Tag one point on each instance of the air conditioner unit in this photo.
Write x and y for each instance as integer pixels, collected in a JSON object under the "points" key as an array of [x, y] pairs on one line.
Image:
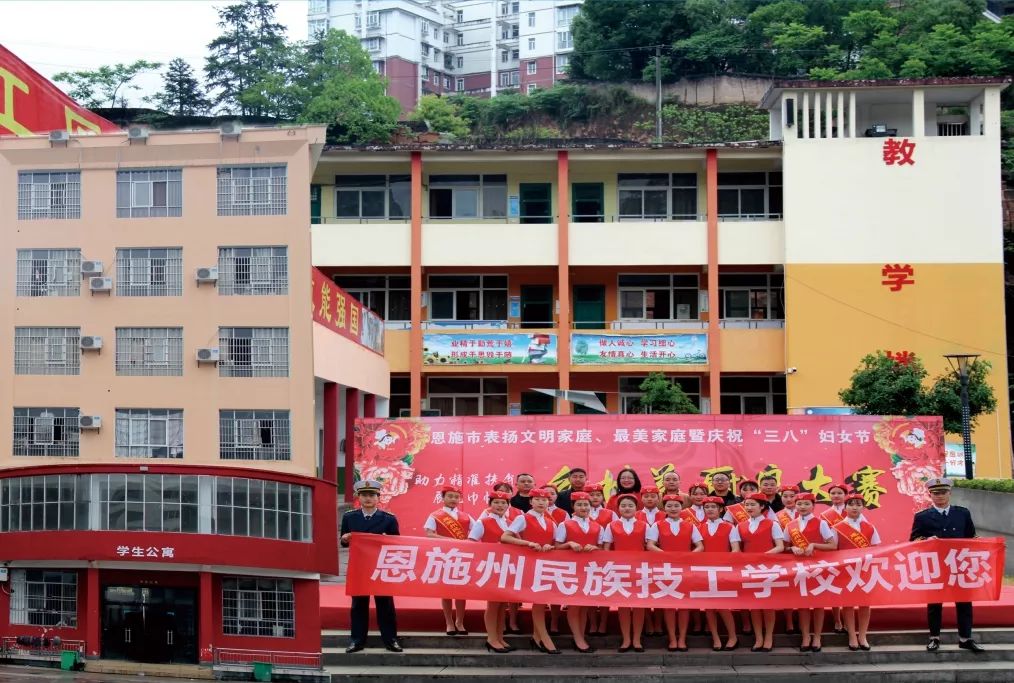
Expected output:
{"points": [[59, 136], [89, 422], [91, 343], [91, 267], [209, 274], [208, 355], [137, 133], [231, 129], [100, 284], [429, 412]]}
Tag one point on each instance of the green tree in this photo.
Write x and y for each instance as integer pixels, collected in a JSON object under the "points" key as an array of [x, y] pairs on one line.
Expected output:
{"points": [[181, 92], [440, 116], [662, 395], [106, 86]]}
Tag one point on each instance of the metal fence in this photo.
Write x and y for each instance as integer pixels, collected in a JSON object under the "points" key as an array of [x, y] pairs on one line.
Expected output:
{"points": [[279, 660]]}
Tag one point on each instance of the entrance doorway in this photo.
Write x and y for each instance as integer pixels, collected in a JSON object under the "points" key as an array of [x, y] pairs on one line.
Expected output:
{"points": [[149, 624], [589, 307], [536, 306], [536, 202]]}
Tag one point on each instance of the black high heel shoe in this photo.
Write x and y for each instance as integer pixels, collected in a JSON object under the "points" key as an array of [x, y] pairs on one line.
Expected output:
{"points": [[498, 650], [587, 650], [539, 646]]}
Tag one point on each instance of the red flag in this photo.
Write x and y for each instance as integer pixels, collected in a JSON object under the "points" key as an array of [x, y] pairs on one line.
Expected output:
{"points": [[30, 104]]}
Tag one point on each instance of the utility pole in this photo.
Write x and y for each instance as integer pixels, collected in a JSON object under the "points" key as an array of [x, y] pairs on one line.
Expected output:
{"points": [[658, 93]]}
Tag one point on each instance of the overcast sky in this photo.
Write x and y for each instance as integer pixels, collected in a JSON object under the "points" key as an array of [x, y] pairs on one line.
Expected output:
{"points": [[68, 35]]}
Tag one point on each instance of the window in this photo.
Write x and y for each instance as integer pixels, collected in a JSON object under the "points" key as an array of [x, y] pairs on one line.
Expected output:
{"points": [[389, 296], [373, 196], [565, 15], [504, 8], [658, 297], [424, 73], [468, 196], [657, 196], [504, 56], [468, 297], [253, 270], [267, 509], [532, 87], [509, 78], [531, 43], [562, 63], [149, 433], [751, 296], [47, 350], [49, 272], [564, 40], [44, 597], [46, 431], [317, 7], [447, 82], [515, 6], [251, 191], [753, 395], [358, 22], [750, 195], [257, 606], [436, 78], [630, 392], [54, 502], [531, 20], [459, 16], [378, 66], [460, 84], [515, 54], [149, 272], [532, 68], [149, 351], [372, 45], [315, 27], [253, 351], [458, 396], [373, 19], [254, 435], [49, 195], [151, 193], [400, 395], [460, 41]]}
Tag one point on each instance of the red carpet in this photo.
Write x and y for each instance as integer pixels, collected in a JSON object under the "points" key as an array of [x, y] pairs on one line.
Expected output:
{"points": [[423, 614]]}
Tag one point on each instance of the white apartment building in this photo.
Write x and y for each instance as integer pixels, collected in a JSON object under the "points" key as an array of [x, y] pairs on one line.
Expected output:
{"points": [[477, 47]]}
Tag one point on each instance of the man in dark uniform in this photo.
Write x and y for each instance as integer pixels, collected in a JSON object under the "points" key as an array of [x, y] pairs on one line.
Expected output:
{"points": [[578, 478], [369, 519], [943, 520]]}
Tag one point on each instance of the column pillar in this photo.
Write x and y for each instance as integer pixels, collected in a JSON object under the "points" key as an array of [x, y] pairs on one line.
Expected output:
{"points": [[92, 616], [369, 405], [852, 114], [206, 620], [714, 342], [329, 464], [415, 334], [918, 113], [351, 413], [563, 275]]}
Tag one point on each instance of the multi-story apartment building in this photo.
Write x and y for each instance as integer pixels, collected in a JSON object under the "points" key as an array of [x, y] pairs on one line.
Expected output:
{"points": [[756, 274], [476, 47], [171, 415]]}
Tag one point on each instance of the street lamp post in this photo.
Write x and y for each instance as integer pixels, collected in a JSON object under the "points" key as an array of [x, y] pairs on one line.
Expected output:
{"points": [[960, 363]]}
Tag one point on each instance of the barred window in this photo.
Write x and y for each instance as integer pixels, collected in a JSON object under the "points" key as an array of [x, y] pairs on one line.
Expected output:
{"points": [[47, 350], [258, 607], [149, 433], [253, 270], [265, 509], [54, 502], [46, 431], [253, 352], [254, 435], [49, 272], [49, 195], [149, 193], [42, 597], [149, 351], [251, 191], [149, 272]]}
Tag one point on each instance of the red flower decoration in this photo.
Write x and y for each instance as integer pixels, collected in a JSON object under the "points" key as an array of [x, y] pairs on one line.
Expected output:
{"points": [[910, 440]]}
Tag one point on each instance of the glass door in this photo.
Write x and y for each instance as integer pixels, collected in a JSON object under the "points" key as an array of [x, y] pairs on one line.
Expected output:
{"points": [[536, 306]]}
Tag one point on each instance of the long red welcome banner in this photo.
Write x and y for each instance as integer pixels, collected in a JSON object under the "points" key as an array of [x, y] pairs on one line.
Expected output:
{"points": [[964, 570]]}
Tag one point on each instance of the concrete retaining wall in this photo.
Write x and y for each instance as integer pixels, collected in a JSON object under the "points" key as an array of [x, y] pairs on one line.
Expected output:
{"points": [[993, 514], [702, 91]]}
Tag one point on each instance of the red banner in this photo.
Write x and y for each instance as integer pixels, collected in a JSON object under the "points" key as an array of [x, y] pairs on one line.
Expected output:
{"points": [[964, 570], [338, 311], [30, 104], [885, 459]]}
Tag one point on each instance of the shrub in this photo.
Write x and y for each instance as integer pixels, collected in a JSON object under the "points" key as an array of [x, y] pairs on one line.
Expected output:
{"points": [[998, 485]]}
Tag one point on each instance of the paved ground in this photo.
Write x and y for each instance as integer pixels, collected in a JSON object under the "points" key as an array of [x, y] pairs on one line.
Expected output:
{"points": [[29, 674]]}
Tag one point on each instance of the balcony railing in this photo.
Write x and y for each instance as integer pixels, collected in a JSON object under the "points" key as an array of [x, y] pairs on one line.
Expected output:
{"points": [[278, 660]]}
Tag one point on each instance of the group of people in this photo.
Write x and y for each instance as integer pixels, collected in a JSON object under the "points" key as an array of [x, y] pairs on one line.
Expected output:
{"points": [[708, 517]]}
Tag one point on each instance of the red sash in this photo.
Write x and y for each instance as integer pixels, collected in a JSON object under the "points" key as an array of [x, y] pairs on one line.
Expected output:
{"points": [[831, 516], [738, 512], [656, 515], [784, 518], [803, 538], [719, 542], [689, 515], [850, 537], [624, 541], [535, 533], [578, 535], [681, 541], [559, 516], [448, 527], [758, 541], [491, 530]]}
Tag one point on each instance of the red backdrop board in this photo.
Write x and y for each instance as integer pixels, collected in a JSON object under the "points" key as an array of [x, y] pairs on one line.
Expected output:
{"points": [[30, 104], [886, 459]]}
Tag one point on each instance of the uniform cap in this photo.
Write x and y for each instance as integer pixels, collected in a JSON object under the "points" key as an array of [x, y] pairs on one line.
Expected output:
{"points": [[649, 489], [498, 495], [783, 489], [578, 495], [698, 485], [627, 496], [939, 483], [449, 489], [593, 488], [843, 487], [717, 500], [806, 496], [759, 497], [672, 496], [366, 486], [855, 496], [539, 493]]}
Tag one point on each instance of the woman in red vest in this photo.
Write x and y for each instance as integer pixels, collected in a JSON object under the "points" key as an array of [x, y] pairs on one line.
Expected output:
{"points": [[535, 529], [449, 522], [855, 532], [628, 534], [807, 534], [735, 512], [675, 535], [719, 537], [832, 516], [559, 516], [784, 516], [489, 529], [581, 535], [761, 535], [651, 512], [511, 625], [598, 617], [693, 512]]}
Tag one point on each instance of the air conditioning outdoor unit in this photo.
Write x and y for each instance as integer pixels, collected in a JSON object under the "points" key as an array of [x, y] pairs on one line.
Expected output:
{"points": [[231, 129], [137, 133], [91, 343], [91, 267], [58, 136], [89, 422], [100, 284], [209, 274], [208, 355]]}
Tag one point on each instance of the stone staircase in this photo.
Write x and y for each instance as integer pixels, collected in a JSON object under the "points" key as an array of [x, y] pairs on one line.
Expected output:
{"points": [[896, 656]]}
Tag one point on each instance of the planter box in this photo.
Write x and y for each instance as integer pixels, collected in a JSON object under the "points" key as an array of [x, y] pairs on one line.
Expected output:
{"points": [[993, 514]]}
